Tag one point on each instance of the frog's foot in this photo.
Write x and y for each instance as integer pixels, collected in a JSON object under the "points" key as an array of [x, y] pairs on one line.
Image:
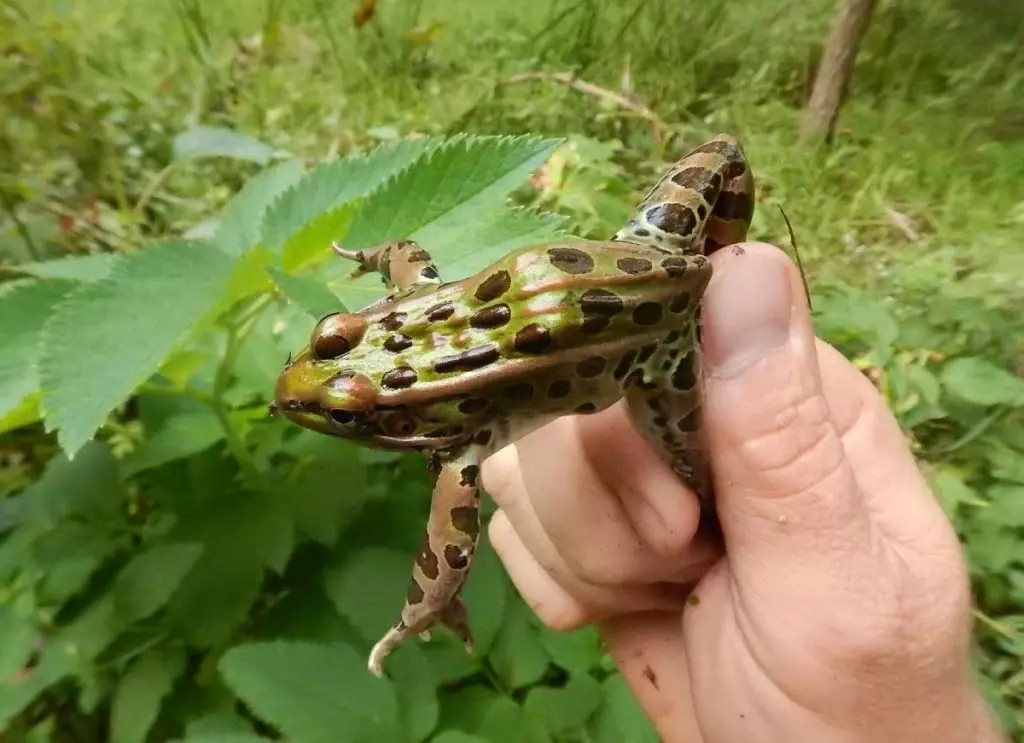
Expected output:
{"points": [[401, 263], [443, 563], [452, 615]]}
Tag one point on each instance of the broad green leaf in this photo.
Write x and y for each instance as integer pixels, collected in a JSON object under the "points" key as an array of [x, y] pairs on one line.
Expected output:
{"points": [[73, 268], [239, 227], [333, 184], [620, 717], [121, 329], [23, 313], [17, 694], [18, 638], [979, 381], [329, 491], [223, 738], [92, 631], [180, 436], [87, 486], [467, 707], [242, 534], [578, 651], [312, 244], [213, 141], [1007, 505], [457, 736], [486, 594], [313, 693], [477, 245], [567, 708], [368, 587], [505, 721], [517, 655], [463, 182], [952, 491], [220, 724], [311, 296], [416, 689], [140, 691], [149, 580]]}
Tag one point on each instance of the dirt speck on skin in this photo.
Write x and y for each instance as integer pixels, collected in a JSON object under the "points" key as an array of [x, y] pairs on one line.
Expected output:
{"points": [[650, 676]]}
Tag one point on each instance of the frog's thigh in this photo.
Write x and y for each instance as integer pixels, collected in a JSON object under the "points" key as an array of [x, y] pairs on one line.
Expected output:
{"points": [[443, 563]]}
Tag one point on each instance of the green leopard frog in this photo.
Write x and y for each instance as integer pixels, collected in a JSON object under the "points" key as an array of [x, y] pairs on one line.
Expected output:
{"points": [[459, 370]]}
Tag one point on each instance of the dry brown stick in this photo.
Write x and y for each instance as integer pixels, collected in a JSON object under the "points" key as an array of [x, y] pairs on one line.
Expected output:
{"points": [[567, 78]]}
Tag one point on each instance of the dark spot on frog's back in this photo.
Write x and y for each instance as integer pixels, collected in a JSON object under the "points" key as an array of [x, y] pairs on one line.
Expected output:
{"points": [[571, 260], [633, 266], [693, 177], [648, 313], [393, 322], [559, 389], [590, 367], [674, 265], [718, 147], [585, 408], [533, 339], [472, 405], [440, 312], [399, 378], [518, 391], [482, 437], [397, 343], [491, 317], [474, 358], [623, 367], [418, 256], [685, 377], [493, 286], [601, 302], [675, 219]]}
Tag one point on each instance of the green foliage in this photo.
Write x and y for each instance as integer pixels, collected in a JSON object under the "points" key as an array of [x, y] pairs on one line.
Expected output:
{"points": [[177, 565]]}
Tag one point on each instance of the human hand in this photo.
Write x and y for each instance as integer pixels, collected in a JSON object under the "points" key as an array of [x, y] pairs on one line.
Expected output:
{"points": [[840, 609]]}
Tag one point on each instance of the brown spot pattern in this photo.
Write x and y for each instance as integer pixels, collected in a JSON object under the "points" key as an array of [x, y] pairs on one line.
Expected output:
{"points": [[601, 302], [493, 286], [415, 593], [399, 378], [518, 391], [393, 322], [491, 317], [468, 475], [684, 377], [533, 338], [472, 405], [680, 302], [584, 408], [397, 343], [673, 218], [454, 557], [426, 560], [591, 367], [624, 364], [647, 313], [440, 312], [571, 260], [734, 206], [633, 266], [466, 519], [674, 265], [474, 358], [483, 437], [559, 389]]}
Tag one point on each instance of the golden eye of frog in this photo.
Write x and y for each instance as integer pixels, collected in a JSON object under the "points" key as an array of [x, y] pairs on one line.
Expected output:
{"points": [[459, 370]]}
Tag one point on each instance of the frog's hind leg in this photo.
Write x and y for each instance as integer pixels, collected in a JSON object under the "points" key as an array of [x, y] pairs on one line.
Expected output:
{"points": [[704, 202], [403, 264], [442, 565]]}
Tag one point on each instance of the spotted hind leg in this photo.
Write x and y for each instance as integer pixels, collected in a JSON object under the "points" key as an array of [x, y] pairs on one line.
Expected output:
{"points": [[442, 565], [402, 264]]}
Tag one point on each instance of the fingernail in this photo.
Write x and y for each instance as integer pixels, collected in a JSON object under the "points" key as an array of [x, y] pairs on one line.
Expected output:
{"points": [[747, 311]]}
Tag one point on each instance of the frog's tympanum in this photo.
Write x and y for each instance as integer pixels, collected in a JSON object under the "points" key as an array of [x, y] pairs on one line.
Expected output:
{"points": [[459, 370]]}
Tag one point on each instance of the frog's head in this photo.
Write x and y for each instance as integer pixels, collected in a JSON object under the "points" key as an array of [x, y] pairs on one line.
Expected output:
{"points": [[330, 387]]}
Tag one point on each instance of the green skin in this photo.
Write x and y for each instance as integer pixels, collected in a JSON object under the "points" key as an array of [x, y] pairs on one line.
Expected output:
{"points": [[458, 371]]}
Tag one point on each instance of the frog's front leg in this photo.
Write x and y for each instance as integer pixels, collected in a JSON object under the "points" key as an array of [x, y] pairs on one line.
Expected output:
{"points": [[443, 564]]}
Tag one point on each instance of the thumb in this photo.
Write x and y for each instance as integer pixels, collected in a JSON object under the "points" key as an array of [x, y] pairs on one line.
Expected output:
{"points": [[783, 481]]}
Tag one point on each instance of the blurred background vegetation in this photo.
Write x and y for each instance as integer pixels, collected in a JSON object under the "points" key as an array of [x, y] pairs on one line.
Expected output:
{"points": [[124, 122]]}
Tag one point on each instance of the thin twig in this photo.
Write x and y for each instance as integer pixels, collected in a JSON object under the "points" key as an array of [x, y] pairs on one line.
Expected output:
{"points": [[796, 252], [570, 80]]}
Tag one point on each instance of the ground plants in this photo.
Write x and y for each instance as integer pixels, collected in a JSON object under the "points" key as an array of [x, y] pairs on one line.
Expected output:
{"points": [[174, 564]]}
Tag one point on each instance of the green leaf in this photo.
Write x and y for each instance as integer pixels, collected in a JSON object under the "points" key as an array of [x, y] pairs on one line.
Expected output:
{"points": [[980, 382], [564, 710], [239, 227], [416, 689], [241, 534], [330, 491], [73, 268], [333, 184], [1007, 505], [140, 691], [486, 595], [311, 296], [149, 580], [17, 642], [457, 736], [180, 436], [462, 182], [952, 491], [505, 721], [23, 313], [16, 695], [620, 716], [213, 141], [224, 738], [517, 654], [577, 652], [379, 578], [313, 693], [312, 244], [122, 328], [476, 245]]}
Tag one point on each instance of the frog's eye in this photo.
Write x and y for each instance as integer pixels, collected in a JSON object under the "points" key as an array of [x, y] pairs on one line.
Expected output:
{"points": [[336, 335]]}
